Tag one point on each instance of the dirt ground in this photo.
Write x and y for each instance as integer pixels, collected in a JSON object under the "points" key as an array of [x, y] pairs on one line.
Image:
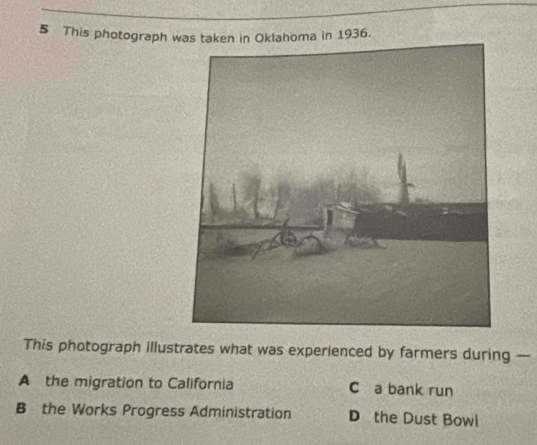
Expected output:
{"points": [[407, 283]]}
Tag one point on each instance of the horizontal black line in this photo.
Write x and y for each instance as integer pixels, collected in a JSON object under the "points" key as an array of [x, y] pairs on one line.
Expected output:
{"points": [[339, 325], [523, 355], [298, 17]]}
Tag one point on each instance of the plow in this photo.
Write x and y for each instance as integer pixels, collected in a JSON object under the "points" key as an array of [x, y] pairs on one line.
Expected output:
{"points": [[286, 238], [309, 244]]}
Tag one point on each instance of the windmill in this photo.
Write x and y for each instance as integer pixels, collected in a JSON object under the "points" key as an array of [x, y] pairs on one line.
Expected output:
{"points": [[404, 185]]}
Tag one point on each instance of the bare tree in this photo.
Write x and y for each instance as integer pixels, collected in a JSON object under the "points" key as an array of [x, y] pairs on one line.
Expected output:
{"points": [[213, 202], [251, 186], [358, 188], [368, 191], [283, 194], [307, 199]]}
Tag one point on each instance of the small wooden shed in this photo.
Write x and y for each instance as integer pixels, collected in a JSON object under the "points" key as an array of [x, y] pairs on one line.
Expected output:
{"points": [[340, 215]]}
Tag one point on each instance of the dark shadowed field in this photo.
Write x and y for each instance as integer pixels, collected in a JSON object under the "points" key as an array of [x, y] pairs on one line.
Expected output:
{"points": [[407, 283]]}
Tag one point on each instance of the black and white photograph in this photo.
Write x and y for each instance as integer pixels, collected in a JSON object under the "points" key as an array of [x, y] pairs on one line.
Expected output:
{"points": [[345, 188]]}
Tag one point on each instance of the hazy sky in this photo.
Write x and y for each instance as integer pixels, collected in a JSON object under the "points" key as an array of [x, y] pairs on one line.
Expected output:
{"points": [[325, 114]]}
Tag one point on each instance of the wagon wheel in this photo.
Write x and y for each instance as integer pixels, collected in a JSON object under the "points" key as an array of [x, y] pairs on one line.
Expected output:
{"points": [[287, 238], [290, 240], [311, 236], [279, 234]]}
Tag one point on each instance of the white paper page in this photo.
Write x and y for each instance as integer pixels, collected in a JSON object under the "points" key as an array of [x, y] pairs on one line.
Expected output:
{"points": [[241, 222]]}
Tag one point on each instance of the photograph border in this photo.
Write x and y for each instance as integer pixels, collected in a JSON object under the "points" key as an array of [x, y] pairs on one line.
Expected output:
{"points": [[489, 325]]}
